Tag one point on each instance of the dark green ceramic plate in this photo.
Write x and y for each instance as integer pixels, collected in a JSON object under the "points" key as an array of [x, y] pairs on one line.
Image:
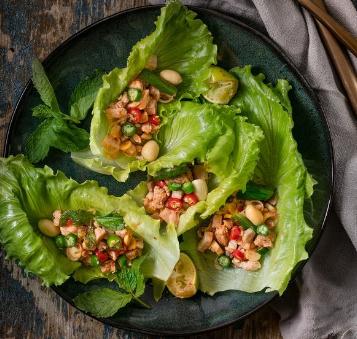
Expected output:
{"points": [[106, 45]]}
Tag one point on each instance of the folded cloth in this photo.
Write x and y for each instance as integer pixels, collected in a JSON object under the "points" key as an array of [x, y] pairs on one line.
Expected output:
{"points": [[322, 303]]}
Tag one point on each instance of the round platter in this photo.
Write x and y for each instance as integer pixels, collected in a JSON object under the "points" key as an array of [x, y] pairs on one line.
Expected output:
{"points": [[105, 45]]}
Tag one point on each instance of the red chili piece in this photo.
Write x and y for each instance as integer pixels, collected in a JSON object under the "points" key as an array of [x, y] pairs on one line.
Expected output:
{"points": [[238, 254], [161, 183], [235, 233], [154, 120], [69, 222], [190, 199], [135, 115], [174, 204], [102, 256]]}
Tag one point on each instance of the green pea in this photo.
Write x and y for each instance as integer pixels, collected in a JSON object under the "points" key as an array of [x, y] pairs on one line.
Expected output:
{"points": [[224, 261], [114, 241], [71, 240], [94, 261], [134, 94], [60, 241], [263, 230], [128, 129], [187, 187]]}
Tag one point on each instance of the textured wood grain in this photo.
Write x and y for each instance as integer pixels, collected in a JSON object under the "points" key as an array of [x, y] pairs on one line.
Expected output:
{"points": [[28, 310]]}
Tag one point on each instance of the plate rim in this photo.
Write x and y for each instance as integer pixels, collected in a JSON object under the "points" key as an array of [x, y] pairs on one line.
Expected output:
{"points": [[237, 21]]}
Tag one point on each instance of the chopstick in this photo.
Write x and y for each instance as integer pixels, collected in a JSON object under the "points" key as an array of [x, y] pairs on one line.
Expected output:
{"points": [[337, 29], [341, 61]]}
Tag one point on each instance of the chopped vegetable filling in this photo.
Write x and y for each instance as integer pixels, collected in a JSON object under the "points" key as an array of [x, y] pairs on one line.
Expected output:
{"points": [[174, 192], [133, 118], [102, 242], [240, 233]]}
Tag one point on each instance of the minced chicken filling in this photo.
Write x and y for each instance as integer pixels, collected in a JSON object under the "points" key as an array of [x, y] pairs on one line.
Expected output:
{"points": [[240, 233], [95, 245], [167, 199], [132, 120]]}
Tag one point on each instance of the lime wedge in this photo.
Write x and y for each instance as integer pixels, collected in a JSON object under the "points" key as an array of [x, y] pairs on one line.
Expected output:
{"points": [[222, 86], [183, 280]]}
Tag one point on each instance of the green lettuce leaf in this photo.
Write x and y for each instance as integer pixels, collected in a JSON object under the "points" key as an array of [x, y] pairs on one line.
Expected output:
{"points": [[29, 194], [281, 167], [192, 131], [182, 43], [211, 134], [240, 169], [119, 168]]}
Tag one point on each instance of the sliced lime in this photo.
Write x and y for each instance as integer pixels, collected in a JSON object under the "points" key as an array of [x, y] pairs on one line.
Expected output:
{"points": [[183, 280], [222, 86]]}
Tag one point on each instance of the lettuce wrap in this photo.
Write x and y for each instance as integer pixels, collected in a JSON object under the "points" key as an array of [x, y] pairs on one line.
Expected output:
{"points": [[29, 194], [212, 135], [280, 166], [181, 43]]}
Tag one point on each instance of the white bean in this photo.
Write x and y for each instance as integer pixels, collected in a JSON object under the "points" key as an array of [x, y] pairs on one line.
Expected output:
{"points": [[150, 150], [171, 76], [47, 227], [254, 215], [201, 189]]}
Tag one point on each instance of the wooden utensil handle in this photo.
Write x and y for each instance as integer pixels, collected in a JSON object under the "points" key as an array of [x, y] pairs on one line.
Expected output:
{"points": [[342, 63], [337, 29]]}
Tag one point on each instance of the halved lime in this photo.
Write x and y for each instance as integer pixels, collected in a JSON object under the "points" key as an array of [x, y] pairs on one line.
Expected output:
{"points": [[183, 280], [222, 86]]}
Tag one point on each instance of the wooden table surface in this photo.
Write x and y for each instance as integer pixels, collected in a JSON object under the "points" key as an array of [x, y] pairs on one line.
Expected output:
{"points": [[28, 310]]}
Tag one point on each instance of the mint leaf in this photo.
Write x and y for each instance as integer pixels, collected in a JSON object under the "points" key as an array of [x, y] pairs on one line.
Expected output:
{"points": [[43, 85], [56, 133], [84, 95], [79, 217], [38, 143], [69, 137], [131, 279], [140, 280], [112, 221], [127, 279], [102, 302], [42, 112], [140, 285]]}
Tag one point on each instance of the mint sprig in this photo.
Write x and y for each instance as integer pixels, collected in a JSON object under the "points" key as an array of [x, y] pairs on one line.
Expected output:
{"points": [[104, 302], [60, 130]]}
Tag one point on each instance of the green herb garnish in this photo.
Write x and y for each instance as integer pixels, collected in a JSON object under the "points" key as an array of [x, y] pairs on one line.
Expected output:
{"points": [[78, 217], [112, 221], [105, 302], [59, 130]]}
